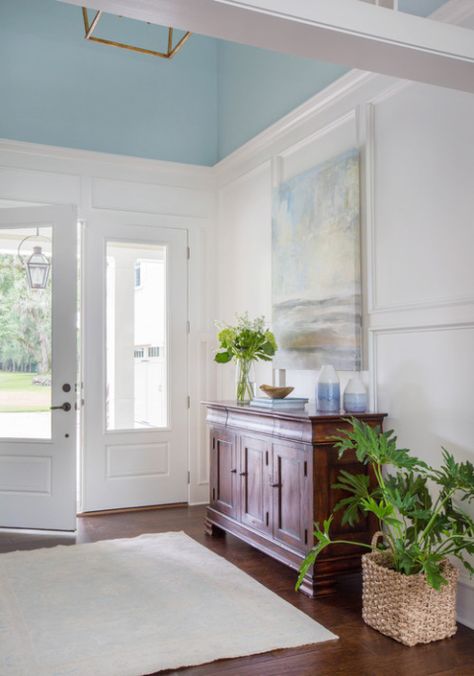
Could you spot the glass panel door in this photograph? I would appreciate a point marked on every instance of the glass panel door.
(38, 349)
(136, 391)
(25, 332)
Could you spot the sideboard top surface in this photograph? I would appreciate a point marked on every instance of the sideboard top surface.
(307, 414)
(306, 425)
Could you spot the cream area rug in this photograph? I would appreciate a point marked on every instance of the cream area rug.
(136, 606)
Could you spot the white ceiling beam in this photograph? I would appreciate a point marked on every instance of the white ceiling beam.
(348, 32)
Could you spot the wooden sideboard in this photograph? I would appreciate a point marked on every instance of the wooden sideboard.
(271, 476)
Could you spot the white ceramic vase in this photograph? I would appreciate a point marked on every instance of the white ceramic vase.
(355, 396)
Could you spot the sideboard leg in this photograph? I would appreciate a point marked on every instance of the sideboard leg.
(316, 587)
(213, 530)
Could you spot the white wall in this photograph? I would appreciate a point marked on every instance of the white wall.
(416, 144)
(178, 196)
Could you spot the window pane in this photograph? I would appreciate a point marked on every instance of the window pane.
(25, 333)
(136, 395)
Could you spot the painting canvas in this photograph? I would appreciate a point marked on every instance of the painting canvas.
(316, 267)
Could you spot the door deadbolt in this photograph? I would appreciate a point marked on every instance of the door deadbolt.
(66, 387)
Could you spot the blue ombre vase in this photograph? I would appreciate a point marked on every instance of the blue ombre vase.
(329, 391)
(355, 398)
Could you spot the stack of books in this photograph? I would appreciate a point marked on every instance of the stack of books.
(287, 404)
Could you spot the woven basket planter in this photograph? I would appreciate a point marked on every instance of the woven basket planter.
(405, 607)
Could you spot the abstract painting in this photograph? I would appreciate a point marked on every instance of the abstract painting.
(316, 267)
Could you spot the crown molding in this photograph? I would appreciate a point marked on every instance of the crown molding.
(77, 161)
(263, 144)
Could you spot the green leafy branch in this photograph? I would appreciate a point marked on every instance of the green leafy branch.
(246, 341)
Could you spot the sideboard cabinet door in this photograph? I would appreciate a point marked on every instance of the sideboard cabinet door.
(225, 480)
(291, 508)
(255, 473)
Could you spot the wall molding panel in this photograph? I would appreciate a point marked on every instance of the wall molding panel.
(373, 229)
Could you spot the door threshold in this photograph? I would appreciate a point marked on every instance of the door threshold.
(123, 510)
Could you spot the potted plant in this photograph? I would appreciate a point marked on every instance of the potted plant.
(245, 343)
(409, 583)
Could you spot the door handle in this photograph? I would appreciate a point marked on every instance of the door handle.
(233, 471)
(64, 407)
(243, 473)
(278, 485)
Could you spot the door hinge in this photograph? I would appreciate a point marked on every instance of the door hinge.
(305, 468)
(267, 518)
(189, 401)
(189, 477)
(306, 536)
(188, 252)
(188, 327)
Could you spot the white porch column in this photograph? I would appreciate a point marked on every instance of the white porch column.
(124, 338)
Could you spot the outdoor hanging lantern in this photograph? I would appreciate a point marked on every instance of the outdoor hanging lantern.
(37, 269)
(37, 265)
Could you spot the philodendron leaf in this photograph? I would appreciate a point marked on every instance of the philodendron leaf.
(358, 486)
(434, 577)
(305, 566)
(373, 446)
(323, 540)
(381, 509)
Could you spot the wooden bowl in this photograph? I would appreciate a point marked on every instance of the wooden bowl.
(276, 392)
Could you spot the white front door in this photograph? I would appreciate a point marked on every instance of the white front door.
(135, 410)
(38, 363)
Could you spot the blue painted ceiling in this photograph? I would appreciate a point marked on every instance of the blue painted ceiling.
(213, 96)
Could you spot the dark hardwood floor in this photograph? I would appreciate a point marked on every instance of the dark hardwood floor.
(359, 650)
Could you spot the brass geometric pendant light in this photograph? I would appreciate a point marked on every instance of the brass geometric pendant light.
(89, 27)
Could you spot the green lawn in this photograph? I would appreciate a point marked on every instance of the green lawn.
(18, 381)
(18, 394)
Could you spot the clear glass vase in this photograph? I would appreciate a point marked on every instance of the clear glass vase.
(244, 380)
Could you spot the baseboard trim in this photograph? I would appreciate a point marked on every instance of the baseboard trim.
(124, 510)
(465, 603)
(39, 531)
